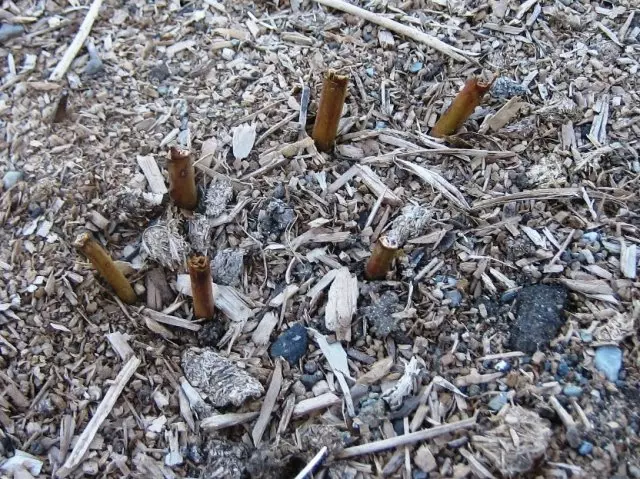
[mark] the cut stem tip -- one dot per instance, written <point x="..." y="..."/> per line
<point x="182" y="180"/>
<point x="461" y="108"/>
<point x="201" y="287"/>
<point x="334" y="93"/>
<point x="380" y="261"/>
<point x="107" y="268"/>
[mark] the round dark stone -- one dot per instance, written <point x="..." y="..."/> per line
<point x="292" y="344"/>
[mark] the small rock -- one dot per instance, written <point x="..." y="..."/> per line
<point x="159" y="73"/>
<point x="563" y="369"/>
<point x="508" y="296"/>
<point x="275" y="218"/>
<point x="586" y="336"/>
<point x="292" y="344"/>
<point x="572" y="391"/>
<point x="590" y="237"/>
<point x="309" y="380"/>
<point x="504" y="87"/>
<point x="226" y="267"/>
<point x="9" y="31"/>
<point x="310" y="367"/>
<point x="608" y="361"/>
<point x="372" y="410"/>
<point x="498" y="402"/>
<point x="502" y="366"/>
<point x="228" y="54"/>
<point x="11" y="178"/>
<point x="538" y="317"/>
<point x="320" y="387"/>
<point x="454" y="296"/>
<point x="370" y="72"/>
<point x="415" y="67"/>
<point x="585" y="448"/>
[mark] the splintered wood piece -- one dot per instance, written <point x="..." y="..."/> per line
<point x="405" y="439"/>
<point x="106" y="267"/>
<point x="152" y="173"/>
<point x="223" y="421"/>
<point x="399" y="28"/>
<point x="268" y="404"/>
<point x="381" y="258"/>
<point x="308" y="406"/>
<point x="182" y="180"/>
<point x="171" y="320"/>
<point x="120" y="345"/>
<point x="461" y="108"/>
<point x="201" y="287"/>
<point x="341" y="304"/>
<point x="78" y="41"/>
<point x="334" y="93"/>
<point x="103" y="410"/>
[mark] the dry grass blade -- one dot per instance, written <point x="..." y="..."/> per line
<point x="437" y="182"/>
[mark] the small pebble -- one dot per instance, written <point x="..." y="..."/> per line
<point x="292" y="344"/>
<point x="590" y="237"/>
<point x="572" y="391"/>
<point x="380" y="125"/>
<point x="11" y="178"/>
<point x="505" y="87"/>
<point x="454" y="296"/>
<point x="228" y="54"/>
<point x="9" y="31"/>
<point x="502" y="366"/>
<point x="370" y="72"/>
<point x="310" y="367"/>
<point x="608" y="361"/>
<point x="585" y="448"/>
<point x="415" y="67"/>
<point x="498" y="402"/>
<point x="508" y="296"/>
<point x="586" y="336"/>
<point x="563" y="369"/>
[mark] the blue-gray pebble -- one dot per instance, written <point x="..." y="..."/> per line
<point x="292" y="344"/>
<point x="609" y="361"/>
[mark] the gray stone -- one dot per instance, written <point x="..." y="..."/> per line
<point x="454" y="296"/>
<point x="223" y="381"/>
<point x="9" y="31"/>
<point x="538" y="317"/>
<point x="275" y="218"/>
<point x="226" y="267"/>
<point x="608" y="361"/>
<point x="498" y="402"/>
<point x="505" y="87"/>
<point x="571" y="390"/>
<point x="292" y="344"/>
<point x="11" y="178"/>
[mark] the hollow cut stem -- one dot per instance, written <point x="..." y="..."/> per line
<point x="381" y="259"/>
<point x="107" y="268"/>
<point x="334" y="93"/>
<point x="461" y="108"/>
<point x="182" y="180"/>
<point x="201" y="287"/>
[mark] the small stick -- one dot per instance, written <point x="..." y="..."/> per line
<point x="78" y="41"/>
<point x="201" y="287"/>
<point x="461" y="108"/>
<point x="317" y="459"/>
<point x="334" y="92"/>
<point x="399" y="28"/>
<point x="380" y="261"/>
<point x="405" y="439"/>
<point x="103" y="410"/>
<point x="182" y="179"/>
<point x="106" y="267"/>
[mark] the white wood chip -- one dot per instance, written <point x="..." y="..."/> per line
<point x="244" y="136"/>
<point x="342" y="304"/>
<point x="152" y="173"/>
